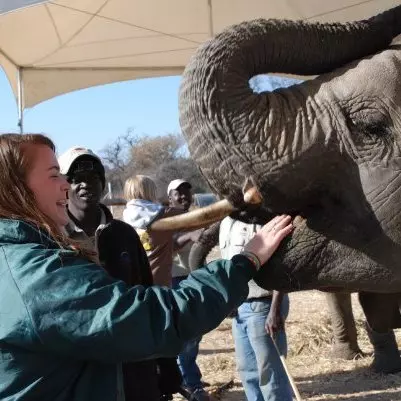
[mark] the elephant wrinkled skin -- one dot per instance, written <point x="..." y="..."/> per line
<point x="327" y="150"/>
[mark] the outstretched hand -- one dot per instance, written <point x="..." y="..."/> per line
<point x="268" y="238"/>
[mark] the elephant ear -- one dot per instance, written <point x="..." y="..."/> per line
<point x="201" y="248"/>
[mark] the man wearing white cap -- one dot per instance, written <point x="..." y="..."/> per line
<point x="179" y="193"/>
<point x="180" y="196"/>
<point x="86" y="175"/>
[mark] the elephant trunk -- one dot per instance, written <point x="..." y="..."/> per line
<point x="217" y="104"/>
<point x="201" y="248"/>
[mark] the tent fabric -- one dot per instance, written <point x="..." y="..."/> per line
<point x="64" y="45"/>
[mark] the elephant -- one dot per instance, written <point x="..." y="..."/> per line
<point x="326" y="151"/>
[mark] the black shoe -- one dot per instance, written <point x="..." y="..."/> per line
<point x="200" y="395"/>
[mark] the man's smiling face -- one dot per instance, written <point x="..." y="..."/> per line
<point x="86" y="183"/>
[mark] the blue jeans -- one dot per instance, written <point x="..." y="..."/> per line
<point x="262" y="374"/>
<point x="190" y="371"/>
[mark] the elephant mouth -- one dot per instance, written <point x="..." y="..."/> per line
<point x="331" y="289"/>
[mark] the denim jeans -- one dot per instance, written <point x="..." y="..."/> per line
<point x="262" y="374"/>
<point x="187" y="358"/>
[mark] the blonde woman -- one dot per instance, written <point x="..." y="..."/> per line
<point x="65" y="324"/>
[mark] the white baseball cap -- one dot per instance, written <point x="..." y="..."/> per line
<point x="67" y="159"/>
<point x="175" y="184"/>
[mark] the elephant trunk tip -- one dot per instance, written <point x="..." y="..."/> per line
<point x="253" y="196"/>
<point x="298" y="221"/>
<point x="390" y="19"/>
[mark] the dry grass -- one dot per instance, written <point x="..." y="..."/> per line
<point x="317" y="376"/>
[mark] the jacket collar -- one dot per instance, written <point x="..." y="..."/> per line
<point x="71" y="228"/>
<point x="20" y="232"/>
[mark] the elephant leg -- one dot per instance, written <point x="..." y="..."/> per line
<point x="382" y="315"/>
<point x="345" y="345"/>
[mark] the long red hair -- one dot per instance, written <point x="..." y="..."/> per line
<point x="17" y="201"/>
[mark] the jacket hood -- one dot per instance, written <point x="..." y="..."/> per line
<point x="141" y="213"/>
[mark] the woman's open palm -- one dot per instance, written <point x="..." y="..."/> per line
<point x="268" y="238"/>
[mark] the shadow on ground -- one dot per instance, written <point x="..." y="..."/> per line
<point x="234" y="393"/>
<point x="358" y="384"/>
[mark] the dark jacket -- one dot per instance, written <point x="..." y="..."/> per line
<point x="66" y="325"/>
<point x="122" y="255"/>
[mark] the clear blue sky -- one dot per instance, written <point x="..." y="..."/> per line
<point x="94" y="117"/>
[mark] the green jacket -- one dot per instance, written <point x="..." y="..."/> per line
<point x="66" y="325"/>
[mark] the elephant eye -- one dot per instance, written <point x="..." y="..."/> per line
<point x="369" y="125"/>
<point x="373" y="129"/>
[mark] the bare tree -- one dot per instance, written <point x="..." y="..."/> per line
<point x="116" y="157"/>
<point x="151" y="152"/>
<point x="164" y="158"/>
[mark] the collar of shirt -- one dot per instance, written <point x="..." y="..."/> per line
<point x="72" y="228"/>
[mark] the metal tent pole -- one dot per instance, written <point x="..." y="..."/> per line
<point x="110" y="195"/>
<point x="210" y="12"/>
<point x="20" y="100"/>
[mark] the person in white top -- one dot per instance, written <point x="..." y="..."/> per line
<point x="180" y="196"/>
<point x="259" y="323"/>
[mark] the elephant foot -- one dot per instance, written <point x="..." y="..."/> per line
<point x="386" y="355"/>
<point x="383" y="363"/>
<point x="346" y="351"/>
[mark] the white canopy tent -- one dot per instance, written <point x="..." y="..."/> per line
<point x="48" y="48"/>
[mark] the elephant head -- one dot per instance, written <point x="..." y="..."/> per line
<point x="327" y="150"/>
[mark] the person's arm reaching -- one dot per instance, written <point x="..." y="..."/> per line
<point x="74" y="307"/>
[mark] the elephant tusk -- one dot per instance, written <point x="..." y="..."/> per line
<point x="253" y="196"/>
<point x="195" y="219"/>
<point x="200" y="218"/>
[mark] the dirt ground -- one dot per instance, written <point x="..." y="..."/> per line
<point x="317" y="376"/>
